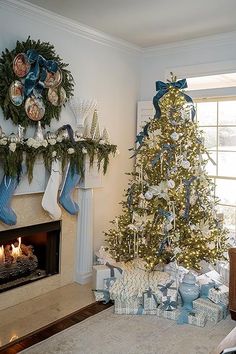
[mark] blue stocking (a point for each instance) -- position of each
(7, 188)
(65, 199)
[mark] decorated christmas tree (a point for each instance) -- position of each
(170, 211)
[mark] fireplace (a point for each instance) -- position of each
(28, 254)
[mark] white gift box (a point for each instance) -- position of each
(101, 272)
(108, 283)
(197, 319)
(222, 268)
(219, 295)
(132, 308)
(171, 315)
(214, 312)
(150, 300)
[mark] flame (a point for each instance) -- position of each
(16, 251)
(2, 255)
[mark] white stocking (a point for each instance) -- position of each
(49, 201)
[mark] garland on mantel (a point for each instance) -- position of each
(13, 151)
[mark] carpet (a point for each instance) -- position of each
(108, 333)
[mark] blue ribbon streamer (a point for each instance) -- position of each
(187, 184)
(162, 88)
(38, 71)
(166, 147)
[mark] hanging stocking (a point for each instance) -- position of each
(49, 201)
(7, 188)
(70, 182)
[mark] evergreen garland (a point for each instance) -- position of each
(17, 113)
(66, 151)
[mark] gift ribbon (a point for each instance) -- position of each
(36, 77)
(164, 288)
(168, 304)
(162, 88)
(140, 310)
(150, 294)
(112, 269)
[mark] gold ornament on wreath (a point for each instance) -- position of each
(34, 83)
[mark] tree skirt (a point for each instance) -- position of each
(108, 333)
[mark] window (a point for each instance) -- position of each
(217, 119)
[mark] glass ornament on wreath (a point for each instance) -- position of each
(189, 291)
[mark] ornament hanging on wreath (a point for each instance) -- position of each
(34, 83)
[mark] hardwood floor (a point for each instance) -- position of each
(53, 328)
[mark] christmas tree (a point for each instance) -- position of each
(169, 213)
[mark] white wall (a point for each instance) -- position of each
(108, 73)
(117, 76)
(205, 56)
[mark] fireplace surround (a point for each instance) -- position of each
(28, 254)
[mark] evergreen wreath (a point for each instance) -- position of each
(46, 52)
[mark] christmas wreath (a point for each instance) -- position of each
(34, 83)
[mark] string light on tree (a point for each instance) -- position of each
(177, 220)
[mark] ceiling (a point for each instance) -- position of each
(149, 22)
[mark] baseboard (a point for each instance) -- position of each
(83, 278)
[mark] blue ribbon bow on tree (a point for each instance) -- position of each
(162, 88)
(38, 71)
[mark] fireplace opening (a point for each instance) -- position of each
(28, 254)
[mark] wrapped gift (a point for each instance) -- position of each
(205, 284)
(169, 303)
(222, 268)
(108, 283)
(132, 308)
(169, 289)
(171, 315)
(102, 295)
(219, 294)
(214, 312)
(197, 319)
(150, 300)
(101, 272)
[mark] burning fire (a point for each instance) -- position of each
(2, 255)
(16, 251)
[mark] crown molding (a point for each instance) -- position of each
(26, 9)
(203, 42)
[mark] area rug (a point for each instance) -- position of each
(108, 333)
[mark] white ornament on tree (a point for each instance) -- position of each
(185, 164)
(175, 136)
(148, 195)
